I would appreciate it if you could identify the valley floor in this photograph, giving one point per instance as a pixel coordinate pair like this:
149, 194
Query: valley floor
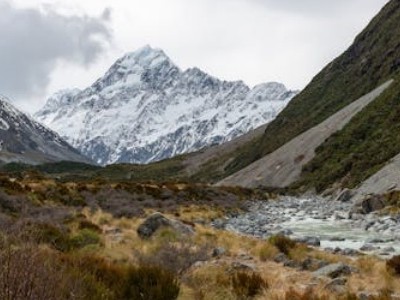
101, 240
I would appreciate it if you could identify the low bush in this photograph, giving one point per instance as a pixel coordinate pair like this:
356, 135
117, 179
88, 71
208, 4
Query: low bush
85, 238
151, 283
393, 265
175, 257
246, 285
51, 235
29, 273
283, 243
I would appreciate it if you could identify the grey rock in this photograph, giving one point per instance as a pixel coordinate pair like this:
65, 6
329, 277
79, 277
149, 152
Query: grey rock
157, 220
337, 239
349, 252
375, 241
217, 252
239, 266
219, 224
309, 240
333, 271
292, 264
345, 195
281, 258
389, 250
369, 247
336, 285
372, 203
312, 264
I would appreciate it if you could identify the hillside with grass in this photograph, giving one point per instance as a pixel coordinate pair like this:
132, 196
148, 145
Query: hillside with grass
373, 59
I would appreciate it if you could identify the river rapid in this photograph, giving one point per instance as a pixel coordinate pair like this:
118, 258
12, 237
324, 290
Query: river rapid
319, 222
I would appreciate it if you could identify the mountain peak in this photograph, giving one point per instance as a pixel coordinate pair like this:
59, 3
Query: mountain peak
145, 67
146, 57
146, 109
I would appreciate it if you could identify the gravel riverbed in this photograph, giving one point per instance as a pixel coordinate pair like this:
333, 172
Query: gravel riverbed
319, 222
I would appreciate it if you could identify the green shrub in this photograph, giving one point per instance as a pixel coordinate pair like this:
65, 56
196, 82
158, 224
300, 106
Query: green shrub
393, 264
84, 238
283, 243
247, 285
52, 235
151, 283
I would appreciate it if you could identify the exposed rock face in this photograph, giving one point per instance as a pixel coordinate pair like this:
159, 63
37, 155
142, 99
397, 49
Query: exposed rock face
157, 221
345, 195
24, 140
146, 109
333, 271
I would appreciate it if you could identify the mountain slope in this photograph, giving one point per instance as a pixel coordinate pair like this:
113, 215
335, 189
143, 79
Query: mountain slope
24, 140
373, 59
284, 166
145, 109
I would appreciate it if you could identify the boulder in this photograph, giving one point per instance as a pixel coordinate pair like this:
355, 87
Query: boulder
336, 285
309, 240
369, 247
217, 252
389, 250
312, 264
292, 264
349, 252
345, 195
239, 266
370, 203
333, 271
157, 221
281, 258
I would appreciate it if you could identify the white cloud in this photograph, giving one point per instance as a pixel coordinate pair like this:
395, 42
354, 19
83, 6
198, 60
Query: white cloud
253, 40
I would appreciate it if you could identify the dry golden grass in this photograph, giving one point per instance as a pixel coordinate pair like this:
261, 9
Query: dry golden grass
192, 213
211, 280
373, 277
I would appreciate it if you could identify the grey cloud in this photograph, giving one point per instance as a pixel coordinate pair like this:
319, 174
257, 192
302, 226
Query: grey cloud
33, 41
320, 8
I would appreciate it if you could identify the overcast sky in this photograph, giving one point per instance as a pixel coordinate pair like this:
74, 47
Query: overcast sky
47, 45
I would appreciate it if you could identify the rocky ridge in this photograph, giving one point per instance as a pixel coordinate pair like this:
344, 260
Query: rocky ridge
22, 139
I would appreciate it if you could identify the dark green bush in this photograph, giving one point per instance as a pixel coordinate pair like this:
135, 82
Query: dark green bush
283, 243
151, 283
247, 285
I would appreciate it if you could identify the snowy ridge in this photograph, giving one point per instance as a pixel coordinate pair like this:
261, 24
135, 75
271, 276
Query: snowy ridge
146, 109
25, 140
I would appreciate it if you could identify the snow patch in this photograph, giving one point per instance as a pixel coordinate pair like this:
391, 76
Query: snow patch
4, 125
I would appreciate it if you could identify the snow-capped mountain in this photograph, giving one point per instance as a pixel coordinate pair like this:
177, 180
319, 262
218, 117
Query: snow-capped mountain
24, 140
146, 109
